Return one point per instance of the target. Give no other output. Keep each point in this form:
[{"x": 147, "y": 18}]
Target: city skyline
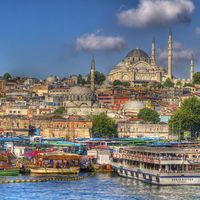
[{"x": 39, "y": 38}]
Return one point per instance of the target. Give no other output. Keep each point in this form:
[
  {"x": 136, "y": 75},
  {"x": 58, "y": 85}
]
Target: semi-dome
[
  {"x": 80, "y": 90},
  {"x": 138, "y": 55}
]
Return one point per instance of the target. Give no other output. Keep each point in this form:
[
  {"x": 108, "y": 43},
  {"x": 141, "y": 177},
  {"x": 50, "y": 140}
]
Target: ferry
[
  {"x": 56, "y": 163},
  {"x": 172, "y": 165}
]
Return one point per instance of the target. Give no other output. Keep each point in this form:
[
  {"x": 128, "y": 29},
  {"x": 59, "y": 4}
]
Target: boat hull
[
  {"x": 9, "y": 172},
  {"x": 171, "y": 179},
  {"x": 71, "y": 170}
]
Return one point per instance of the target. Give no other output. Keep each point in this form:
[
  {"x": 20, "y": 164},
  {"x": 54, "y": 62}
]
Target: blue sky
[{"x": 43, "y": 37}]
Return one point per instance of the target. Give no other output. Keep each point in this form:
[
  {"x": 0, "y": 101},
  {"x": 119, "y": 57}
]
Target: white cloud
[
  {"x": 180, "y": 53},
  {"x": 93, "y": 41},
  {"x": 157, "y": 12},
  {"x": 197, "y": 31}
]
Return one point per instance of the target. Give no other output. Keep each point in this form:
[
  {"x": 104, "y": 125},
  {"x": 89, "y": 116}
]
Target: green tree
[
  {"x": 6, "y": 76},
  {"x": 179, "y": 84},
  {"x": 117, "y": 82},
  {"x": 59, "y": 111},
  {"x": 149, "y": 115},
  {"x": 125, "y": 83},
  {"x": 187, "y": 117},
  {"x": 188, "y": 85},
  {"x": 99, "y": 78},
  {"x": 103, "y": 126},
  {"x": 157, "y": 85},
  {"x": 122, "y": 83},
  {"x": 81, "y": 80},
  {"x": 168, "y": 83},
  {"x": 196, "y": 78},
  {"x": 145, "y": 85}
]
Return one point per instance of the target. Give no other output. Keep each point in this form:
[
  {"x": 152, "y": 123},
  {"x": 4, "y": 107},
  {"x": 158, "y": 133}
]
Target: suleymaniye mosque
[{"x": 138, "y": 68}]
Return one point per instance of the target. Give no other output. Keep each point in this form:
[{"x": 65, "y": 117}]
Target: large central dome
[{"x": 138, "y": 55}]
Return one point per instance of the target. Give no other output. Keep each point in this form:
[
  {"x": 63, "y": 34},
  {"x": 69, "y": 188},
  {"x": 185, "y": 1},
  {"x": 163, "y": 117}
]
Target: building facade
[
  {"x": 50, "y": 127},
  {"x": 133, "y": 128}
]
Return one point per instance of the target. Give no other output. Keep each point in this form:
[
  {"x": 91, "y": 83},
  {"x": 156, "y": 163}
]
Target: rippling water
[{"x": 101, "y": 186}]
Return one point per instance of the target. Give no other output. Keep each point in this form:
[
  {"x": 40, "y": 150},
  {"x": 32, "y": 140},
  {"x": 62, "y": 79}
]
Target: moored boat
[
  {"x": 56, "y": 163},
  {"x": 71, "y": 170},
  {"x": 8, "y": 164},
  {"x": 9, "y": 172},
  {"x": 159, "y": 165}
]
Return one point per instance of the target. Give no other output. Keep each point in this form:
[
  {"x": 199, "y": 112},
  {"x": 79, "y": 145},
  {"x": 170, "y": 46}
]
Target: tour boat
[
  {"x": 159, "y": 165},
  {"x": 56, "y": 163},
  {"x": 8, "y": 164},
  {"x": 71, "y": 170}
]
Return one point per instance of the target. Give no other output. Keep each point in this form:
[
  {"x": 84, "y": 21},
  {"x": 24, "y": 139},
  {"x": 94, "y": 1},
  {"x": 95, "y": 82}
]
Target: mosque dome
[
  {"x": 80, "y": 90},
  {"x": 138, "y": 55},
  {"x": 51, "y": 79},
  {"x": 133, "y": 107}
]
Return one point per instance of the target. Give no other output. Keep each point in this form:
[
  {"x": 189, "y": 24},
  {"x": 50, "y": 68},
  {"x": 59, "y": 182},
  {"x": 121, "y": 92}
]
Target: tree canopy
[
  {"x": 6, "y": 76},
  {"x": 157, "y": 85},
  {"x": 123, "y": 83},
  {"x": 103, "y": 126},
  {"x": 149, "y": 115},
  {"x": 188, "y": 85},
  {"x": 196, "y": 78},
  {"x": 168, "y": 83},
  {"x": 99, "y": 78},
  {"x": 179, "y": 84},
  {"x": 187, "y": 117},
  {"x": 81, "y": 80},
  {"x": 59, "y": 111},
  {"x": 117, "y": 82}
]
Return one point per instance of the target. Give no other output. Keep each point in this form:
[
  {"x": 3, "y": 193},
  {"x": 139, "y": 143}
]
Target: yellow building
[{"x": 40, "y": 89}]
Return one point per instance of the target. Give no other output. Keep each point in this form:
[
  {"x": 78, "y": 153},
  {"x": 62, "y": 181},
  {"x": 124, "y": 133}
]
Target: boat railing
[
  {"x": 156, "y": 171},
  {"x": 146, "y": 158},
  {"x": 179, "y": 172}
]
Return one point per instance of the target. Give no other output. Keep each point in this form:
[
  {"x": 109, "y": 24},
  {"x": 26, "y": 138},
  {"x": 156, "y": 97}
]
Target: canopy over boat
[{"x": 58, "y": 156}]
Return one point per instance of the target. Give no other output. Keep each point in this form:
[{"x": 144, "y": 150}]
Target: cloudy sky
[{"x": 43, "y": 37}]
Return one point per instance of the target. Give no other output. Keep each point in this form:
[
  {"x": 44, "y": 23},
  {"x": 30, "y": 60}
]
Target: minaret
[
  {"x": 170, "y": 55},
  {"x": 153, "y": 52},
  {"x": 191, "y": 69},
  {"x": 92, "y": 74}
]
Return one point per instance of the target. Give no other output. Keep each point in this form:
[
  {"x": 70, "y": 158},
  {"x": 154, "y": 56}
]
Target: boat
[
  {"x": 159, "y": 165},
  {"x": 9, "y": 172},
  {"x": 56, "y": 163},
  {"x": 71, "y": 170},
  {"x": 8, "y": 164}
]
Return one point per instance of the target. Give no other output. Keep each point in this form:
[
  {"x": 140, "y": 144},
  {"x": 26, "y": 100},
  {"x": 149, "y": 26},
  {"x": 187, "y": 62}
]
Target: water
[{"x": 101, "y": 186}]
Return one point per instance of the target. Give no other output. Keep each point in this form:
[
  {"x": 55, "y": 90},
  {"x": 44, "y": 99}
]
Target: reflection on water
[{"x": 101, "y": 186}]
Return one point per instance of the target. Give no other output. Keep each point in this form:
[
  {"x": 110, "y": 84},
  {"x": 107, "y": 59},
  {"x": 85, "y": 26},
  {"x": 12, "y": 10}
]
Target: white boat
[{"x": 159, "y": 165}]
